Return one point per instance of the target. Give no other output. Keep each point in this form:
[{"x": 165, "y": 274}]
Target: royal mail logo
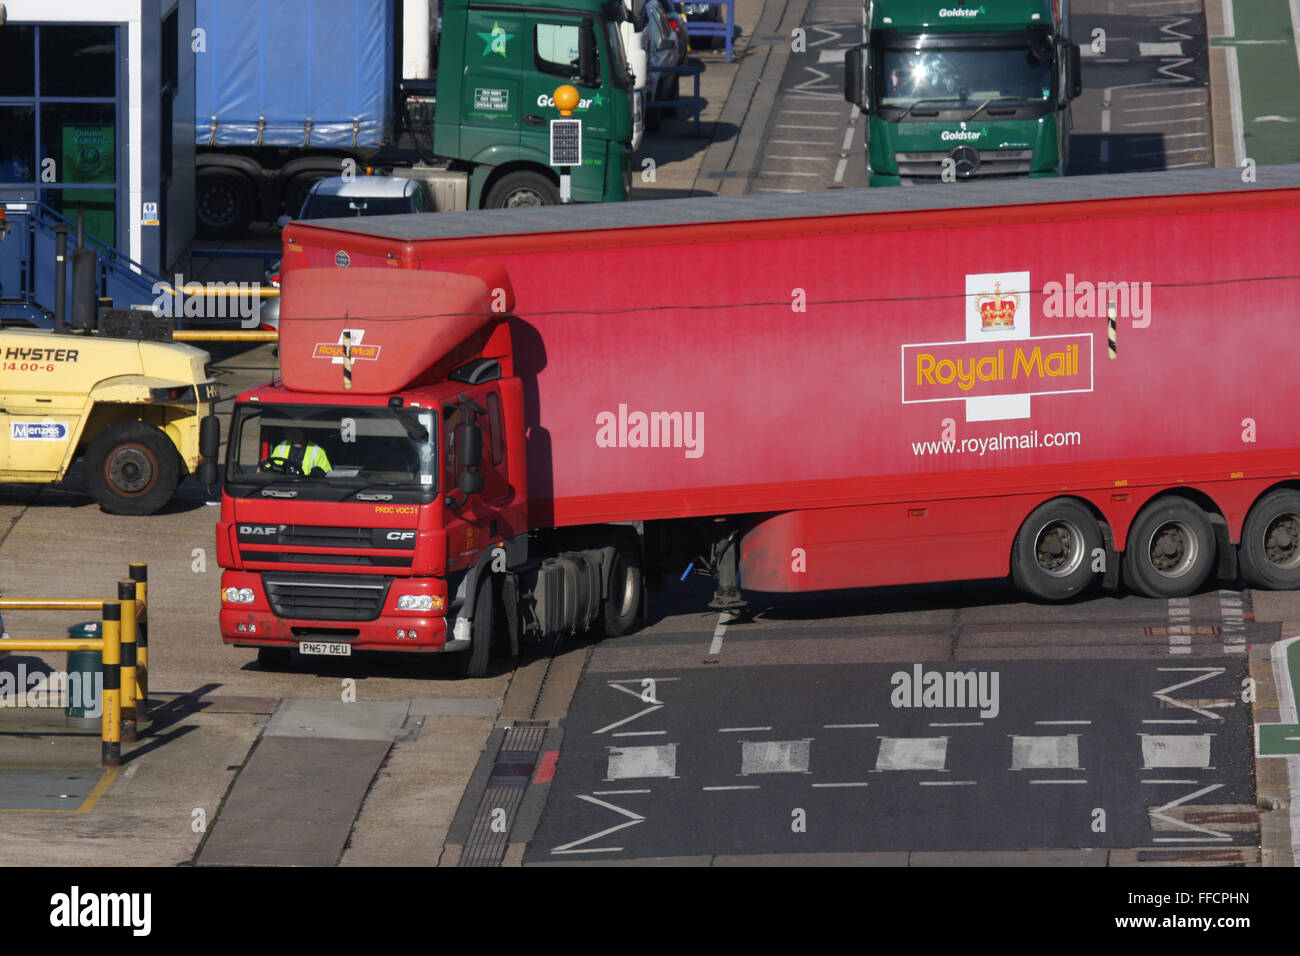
[
  {"x": 999, "y": 366},
  {"x": 997, "y": 309},
  {"x": 348, "y": 346}
]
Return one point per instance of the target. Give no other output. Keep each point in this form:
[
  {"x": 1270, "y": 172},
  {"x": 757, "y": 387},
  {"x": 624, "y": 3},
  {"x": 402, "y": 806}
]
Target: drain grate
[{"x": 511, "y": 771}]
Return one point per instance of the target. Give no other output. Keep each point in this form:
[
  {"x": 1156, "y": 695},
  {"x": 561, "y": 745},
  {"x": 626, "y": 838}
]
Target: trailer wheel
[
  {"x": 1269, "y": 553},
  {"x": 132, "y": 469},
  {"x": 1170, "y": 549},
  {"x": 473, "y": 662},
  {"x": 223, "y": 203},
  {"x": 1052, "y": 554},
  {"x": 623, "y": 607},
  {"x": 523, "y": 188}
]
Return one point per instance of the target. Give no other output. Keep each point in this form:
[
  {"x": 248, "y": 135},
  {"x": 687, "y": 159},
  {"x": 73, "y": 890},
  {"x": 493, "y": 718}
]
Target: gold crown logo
[{"x": 997, "y": 309}]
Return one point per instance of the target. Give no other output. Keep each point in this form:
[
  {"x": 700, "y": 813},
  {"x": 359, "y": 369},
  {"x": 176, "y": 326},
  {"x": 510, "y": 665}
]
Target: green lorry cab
[{"x": 955, "y": 92}]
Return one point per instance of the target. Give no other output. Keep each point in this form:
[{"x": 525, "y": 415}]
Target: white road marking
[
  {"x": 740, "y": 730},
  {"x": 1234, "y": 101},
  {"x": 1105, "y": 121},
  {"x": 912, "y": 753},
  {"x": 753, "y": 786},
  {"x": 1205, "y": 672},
  {"x": 775, "y": 756},
  {"x": 970, "y": 723},
  {"x": 1103, "y": 152},
  {"x": 1045, "y": 753},
  {"x": 1160, "y": 49},
  {"x": 639, "y": 733},
  {"x": 626, "y": 763},
  {"x": 1175, "y": 750},
  {"x": 633, "y": 820},
  {"x": 947, "y": 783},
  {"x": 847, "y": 726},
  {"x": 1058, "y": 781},
  {"x": 1171, "y": 721},
  {"x": 799, "y": 126},
  {"x": 1063, "y": 723},
  {"x": 819, "y": 159},
  {"x": 855, "y": 784},
  {"x": 761, "y": 189},
  {"x": 1183, "y": 782},
  {"x": 779, "y": 172},
  {"x": 1133, "y": 96},
  {"x": 626, "y": 720},
  {"x": 848, "y": 138},
  {"x": 840, "y": 169},
  {"x": 715, "y": 648},
  {"x": 1209, "y": 834},
  {"x": 798, "y": 142},
  {"x": 1166, "y": 122},
  {"x": 615, "y": 793},
  {"x": 803, "y": 112},
  {"x": 1161, "y": 109},
  {"x": 832, "y": 56}
]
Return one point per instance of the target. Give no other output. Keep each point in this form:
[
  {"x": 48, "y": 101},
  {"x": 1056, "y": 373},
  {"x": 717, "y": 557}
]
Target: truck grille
[
  {"x": 927, "y": 167},
  {"x": 326, "y": 597}
]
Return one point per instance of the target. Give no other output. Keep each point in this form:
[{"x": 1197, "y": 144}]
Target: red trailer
[{"x": 851, "y": 393}]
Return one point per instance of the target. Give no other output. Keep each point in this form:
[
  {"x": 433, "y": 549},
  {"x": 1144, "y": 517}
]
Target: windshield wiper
[
  {"x": 917, "y": 103},
  {"x": 995, "y": 99}
]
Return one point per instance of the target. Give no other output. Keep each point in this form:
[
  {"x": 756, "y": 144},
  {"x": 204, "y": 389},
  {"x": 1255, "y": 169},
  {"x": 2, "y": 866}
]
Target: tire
[
  {"x": 522, "y": 189},
  {"x": 623, "y": 607},
  {"x": 274, "y": 658},
  {"x": 473, "y": 662},
  {"x": 295, "y": 194},
  {"x": 1171, "y": 549},
  {"x": 1052, "y": 555},
  {"x": 132, "y": 469},
  {"x": 1269, "y": 553},
  {"x": 654, "y": 118},
  {"x": 224, "y": 201}
]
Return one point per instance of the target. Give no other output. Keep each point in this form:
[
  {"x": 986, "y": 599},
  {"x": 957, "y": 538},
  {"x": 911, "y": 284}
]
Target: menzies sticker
[{"x": 38, "y": 431}]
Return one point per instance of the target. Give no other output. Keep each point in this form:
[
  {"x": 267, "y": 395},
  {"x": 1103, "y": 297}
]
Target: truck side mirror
[
  {"x": 1074, "y": 69},
  {"x": 588, "y": 67},
  {"x": 469, "y": 445},
  {"x": 856, "y": 61},
  {"x": 210, "y": 437},
  {"x": 471, "y": 483}
]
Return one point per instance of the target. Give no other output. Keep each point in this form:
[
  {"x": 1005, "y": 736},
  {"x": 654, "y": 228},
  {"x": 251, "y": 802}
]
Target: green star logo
[
  {"x": 495, "y": 42},
  {"x": 598, "y": 99}
]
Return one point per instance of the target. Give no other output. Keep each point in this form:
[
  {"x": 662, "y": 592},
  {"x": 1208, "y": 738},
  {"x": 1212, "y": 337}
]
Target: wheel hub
[
  {"x": 1174, "y": 549},
  {"x": 130, "y": 470},
  {"x": 1280, "y": 540},
  {"x": 1059, "y": 548}
]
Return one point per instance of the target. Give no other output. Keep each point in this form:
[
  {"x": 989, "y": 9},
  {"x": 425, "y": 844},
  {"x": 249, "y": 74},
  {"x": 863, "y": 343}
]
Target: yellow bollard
[
  {"x": 140, "y": 575},
  {"x": 111, "y": 634},
  {"x": 126, "y": 597}
]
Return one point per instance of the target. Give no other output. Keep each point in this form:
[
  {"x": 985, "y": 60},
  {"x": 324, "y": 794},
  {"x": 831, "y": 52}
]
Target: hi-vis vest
[{"x": 313, "y": 456}]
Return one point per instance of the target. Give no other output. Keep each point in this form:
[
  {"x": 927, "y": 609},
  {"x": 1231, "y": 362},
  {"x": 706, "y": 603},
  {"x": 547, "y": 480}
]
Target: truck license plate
[{"x": 325, "y": 649}]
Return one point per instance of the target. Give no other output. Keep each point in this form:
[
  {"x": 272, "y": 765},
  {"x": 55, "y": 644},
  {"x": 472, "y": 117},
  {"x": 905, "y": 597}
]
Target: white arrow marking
[
  {"x": 627, "y": 720},
  {"x": 1205, "y": 672},
  {"x": 1160, "y": 814},
  {"x": 633, "y": 820}
]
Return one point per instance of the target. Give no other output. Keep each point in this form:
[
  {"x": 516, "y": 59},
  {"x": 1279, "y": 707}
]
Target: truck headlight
[
  {"x": 237, "y": 595},
  {"x": 418, "y": 602}
]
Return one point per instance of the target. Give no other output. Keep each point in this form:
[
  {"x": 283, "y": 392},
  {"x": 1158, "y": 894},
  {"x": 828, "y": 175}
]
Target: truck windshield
[
  {"x": 333, "y": 446},
  {"x": 955, "y": 77}
]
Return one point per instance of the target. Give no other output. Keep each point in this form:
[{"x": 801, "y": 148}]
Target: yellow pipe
[{"x": 242, "y": 335}]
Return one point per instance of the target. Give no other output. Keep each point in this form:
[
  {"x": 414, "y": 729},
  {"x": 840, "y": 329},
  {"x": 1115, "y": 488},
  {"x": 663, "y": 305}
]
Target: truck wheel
[
  {"x": 1170, "y": 549},
  {"x": 223, "y": 203},
  {"x": 1269, "y": 553},
  {"x": 522, "y": 189},
  {"x": 1052, "y": 554},
  {"x": 623, "y": 606},
  {"x": 132, "y": 469},
  {"x": 473, "y": 662}
]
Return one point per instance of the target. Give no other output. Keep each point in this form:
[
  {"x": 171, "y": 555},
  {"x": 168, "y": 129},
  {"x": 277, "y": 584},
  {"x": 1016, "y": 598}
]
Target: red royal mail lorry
[{"x": 494, "y": 423}]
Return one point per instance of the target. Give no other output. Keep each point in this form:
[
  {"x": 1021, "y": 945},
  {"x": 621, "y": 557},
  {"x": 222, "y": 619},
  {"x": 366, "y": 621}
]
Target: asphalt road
[{"x": 803, "y": 735}]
